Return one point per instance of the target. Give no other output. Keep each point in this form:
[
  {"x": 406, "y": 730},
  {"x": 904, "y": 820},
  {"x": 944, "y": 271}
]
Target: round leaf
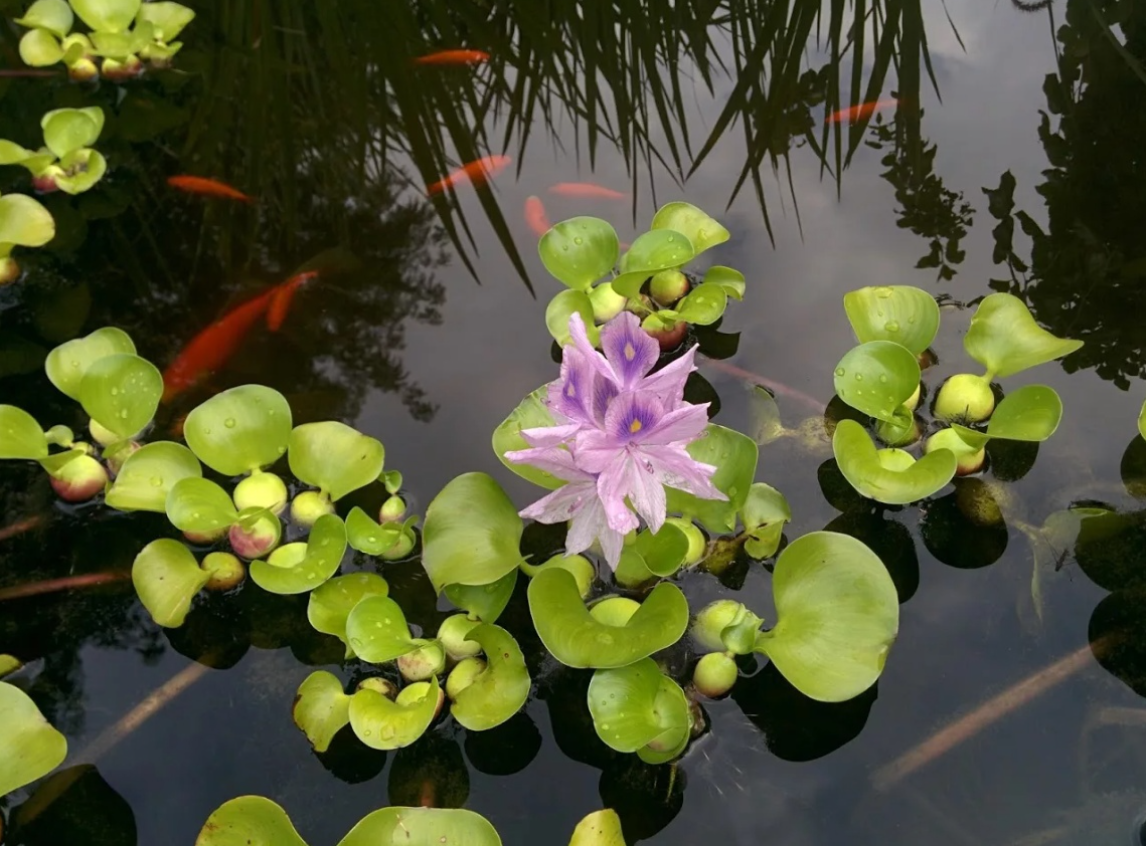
[
  {"x": 149, "y": 474},
  {"x": 734, "y": 455},
  {"x": 249, "y": 821},
  {"x": 561, "y": 308},
  {"x": 200, "y": 506},
  {"x": 23, "y": 221},
  {"x": 1031, "y": 413},
  {"x": 764, "y": 514},
  {"x": 40, "y": 49},
  {"x": 239, "y": 430},
  {"x": 365, "y": 535},
  {"x": 701, "y": 230},
  {"x": 377, "y": 630},
  {"x": 600, "y": 828},
  {"x": 531, "y": 413},
  {"x": 106, "y": 15},
  {"x": 500, "y": 690},
  {"x": 166, "y": 17},
  {"x": 53, "y": 15},
  {"x": 837, "y": 616},
  {"x": 659, "y": 249},
  {"x": 334, "y": 458},
  {"x": 729, "y": 279},
  {"x": 331, "y": 603},
  {"x": 1005, "y": 339},
  {"x": 486, "y": 602},
  {"x": 422, "y": 827},
  {"x": 324, "y": 550},
  {"x": 20, "y": 435},
  {"x": 381, "y": 723},
  {"x": 88, "y": 167},
  {"x": 67, "y": 130},
  {"x": 576, "y": 639},
  {"x": 29, "y": 747},
  {"x": 877, "y": 378},
  {"x": 122, "y": 392},
  {"x": 579, "y": 251},
  {"x": 901, "y": 313},
  {"x": 861, "y": 465},
  {"x": 167, "y": 577},
  {"x": 67, "y": 363},
  {"x": 321, "y": 708},
  {"x": 637, "y": 705},
  {"x": 704, "y": 305},
  {"x": 663, "y": 552},
  {"x": 11, "y": 153},
  {"x": 472, "y": 533}
]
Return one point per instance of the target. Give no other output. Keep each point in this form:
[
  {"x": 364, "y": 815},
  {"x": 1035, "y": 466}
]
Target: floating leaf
[
  {"x": 106, "y": 15},
  {"x": 377, "y": 630},
  {"x": 167, "y": 577},
  {"x": 9, "y": 664},
  {"x": 704, "y": 305},
  {"x": 877, "y": 378},
  {"x": 249, "y": 821},
  {"x": 29, "y": 747},
  {"x": 472, "y": 533},
  {"x": 731, "y": 280},
  {"x": 67, "y": 363},
  {"x": 764, "y": 514},
  {"x": 837, "y": 616},
  {"x": 734, "y": 456},
  {"x": 501, "y": 689},
  {"x": 384, "y": 724},
  {"x": 576, "y": 639},
  {"x": 67, "y": 130},
  {"x": 121, "y": 392},
  {"x": 366, "y": 535},
  {"x": 240, "y": 430},
  {"x": 531, "y": 413},
  {"x": 422, "y": 827},
  {"x": 600, "y": 828},
  {"x": 702, "y": 230},
  {"x": 334, "y": 458},
  {"x": 20, "y": 435},
  {"x": 321, "y": 708},
  {"x": 904, "y": 314},
  {"x": 1005, "y": 339},
  {"x": 1031, "y": 413},
  {"x": 486, "y": 602},
  {"x": 200, "y": 506},
  {"x": 24, "y": 222},
  {"x": 87, "y": 168},
  {"x": 659, "y": 249},
  {"x": 579, "y": 251},
  {"x": 53, "y": 15},
  {"x": 561, "y": 308},
  {"x": 636, "y": 706},
  {"x": 868, "y": 470},
  {"x": 330, "y": 603},
  {"x": 167, "y": 18},
  {"x": 325, "y": 547},
  {"x": 40, "y": 49},
  {"x": 149, "y": 474},
  {"x": 664, "y": 552}
]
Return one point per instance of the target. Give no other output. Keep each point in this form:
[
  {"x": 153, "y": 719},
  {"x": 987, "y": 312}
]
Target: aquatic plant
[
  {"x": 67, "y": 161},
  {"x": 30, "y": 748},
  {"x": 24, "y": 222}
]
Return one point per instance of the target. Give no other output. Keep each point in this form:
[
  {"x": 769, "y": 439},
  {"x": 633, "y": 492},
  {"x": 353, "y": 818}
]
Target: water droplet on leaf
[
  {"x": 883, "y": 292},
  {"x": 840, "y": 371},
  {"x": 229, "y": 422},
  {"x": 891, "y": 326}
]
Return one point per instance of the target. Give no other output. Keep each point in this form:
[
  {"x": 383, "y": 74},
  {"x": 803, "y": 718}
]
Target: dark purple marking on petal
[
  {"x": 629, "y": 348},
  {"x": 630, "y": 414}
]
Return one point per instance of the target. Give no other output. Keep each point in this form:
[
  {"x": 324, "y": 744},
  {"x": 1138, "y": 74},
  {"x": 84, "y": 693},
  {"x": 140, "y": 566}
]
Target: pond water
[{"x": 426, "y": 334}]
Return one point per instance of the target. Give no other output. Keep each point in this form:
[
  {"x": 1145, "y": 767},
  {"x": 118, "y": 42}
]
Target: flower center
[
  {"x": 635, "y": 426},
  {"x": 630, "y": 354}
]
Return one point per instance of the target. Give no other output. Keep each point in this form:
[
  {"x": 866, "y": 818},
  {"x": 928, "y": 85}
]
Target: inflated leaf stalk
[
  {"x": 500, "y": 690},
  {"x": 890, "y": 476}
]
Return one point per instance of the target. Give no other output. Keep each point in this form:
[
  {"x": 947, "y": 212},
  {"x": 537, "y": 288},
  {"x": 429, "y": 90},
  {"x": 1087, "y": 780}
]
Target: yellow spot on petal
[
  {"x": 630, "y": 354},
  {"x": 635, "y": 426},
  {"x": 571, "y": 391}
]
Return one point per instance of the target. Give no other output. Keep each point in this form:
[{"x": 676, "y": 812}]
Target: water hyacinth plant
[
  {"x": 67, "y": 161},
  {"x": 24, "y": 222}
]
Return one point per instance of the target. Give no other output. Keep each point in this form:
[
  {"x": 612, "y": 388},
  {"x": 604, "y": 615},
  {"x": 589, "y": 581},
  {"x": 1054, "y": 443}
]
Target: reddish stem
[
  {"x": 771, "y": 384},
  {"x": 19, "y": 527},
  {"x": 64, "y": 583}
]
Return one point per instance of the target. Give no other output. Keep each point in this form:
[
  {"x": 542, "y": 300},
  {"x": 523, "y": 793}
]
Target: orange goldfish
[
  {"x": 284, "y": 295},
  {"x": 453, "y": 57},
  {"x": 860, "y": 112},
  {"x": 585, "y": 189},
  {"x": 206, "y": 187},
  {"x": 477, "y": 172},
  {"x": 535, "y": 216}
]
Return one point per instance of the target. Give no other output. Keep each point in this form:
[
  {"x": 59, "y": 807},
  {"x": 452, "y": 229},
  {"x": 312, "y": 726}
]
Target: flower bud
[
  {"x": 452, "y": 634},
  {"x": 606, "y": 302},
  {"x": 712, "y": 620},
  {"x": 463, "y": 675},
  {"x": 413, "y": 692},
  {"x": 308, "y": 506},
  {"x": 668, "y": 286},
  {"x": 423, "y": 663},
  {"x": 965, "y": 397},
  {"x": 261, "y": 490},
  {"x": 401, "y": 548},
  {"x": 393, "y": 510},
  {"x": 226, "y": 571},
  {"x": 9, "y": 271},
  {"x": 258, "y": 540},
  {"x": 380, "y": 685},
  {"x": 696, "y": 540},
  {"x": 614, "y": 610},
  {"x": 965, "y": 463},
  {"x": 715, "y": 674},
  {"x": 79, "y": 480}
]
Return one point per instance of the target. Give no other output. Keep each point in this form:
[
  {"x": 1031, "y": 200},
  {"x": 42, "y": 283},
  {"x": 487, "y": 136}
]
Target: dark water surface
[{"x": 315, "y": 110}]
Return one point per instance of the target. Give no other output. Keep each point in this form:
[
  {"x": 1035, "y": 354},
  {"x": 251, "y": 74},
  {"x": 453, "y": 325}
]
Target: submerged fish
[
  {"x": 453, "y": 57},
  {"x": 1116, "y": 819},
  {"x": 284, "y": 296},
  {"x": 586, "y": 189},
  {"x": 207, "y": 187},
  {"x": 535, "y": 216},
  {"x": 863, "y": 110},
  {"x": 476, "y": 172}
]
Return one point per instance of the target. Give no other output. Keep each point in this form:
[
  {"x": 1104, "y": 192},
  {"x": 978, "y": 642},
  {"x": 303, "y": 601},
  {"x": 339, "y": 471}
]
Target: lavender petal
[{"x": 629, "y": 349}]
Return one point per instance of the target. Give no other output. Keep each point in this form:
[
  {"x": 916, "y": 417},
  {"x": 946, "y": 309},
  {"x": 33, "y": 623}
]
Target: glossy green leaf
[
  {"x": 702, "y": 230},
  {"x": 663, "y": 553},
  {"x": 659, "y": 249},
  {"x": 704, "y": 305},
  {"x": 166, "y": 17},
  {"x": 391, "y": 480},
  {"x": 500, "y": 690},
  {"x": 366, "y": 535},
  {"x": 249, "y": 821},
  {"x": 87, "y": 166},
  {"x": 122, "y": 392},
  {"x": 1030, "y": 413},
  {"x": 861, "y": 465},
  {"x": 561, "y": 308},
  {"x": 53, "y": 15},
  {"x": 240, "y": 430},
  {"x": 29, "y": 747},
  {"x": 1005, "y": 338},
  {"x": 734, "y": 456},
  {"x": 334, "y": 458},
  {"x": 167, "y": 577},
  {"x": 54, "y": 464},
  {"x": 325, "y": 547},
  {"x": 120, "y": 45},
  {"x": 9, "y": 664},
  {"x": 730, "y": 279},
  {"x": 472, "y": 533},
  {"x": 764, "y": 514},
  {"x": 23, "y": 221},
  {"x": 200, "y": 506},
  {"x": 877, "y": 378},
  {"x": 531, "y": 413},
  {"x": 579, "y": 251},
  {"x": 67, "y": 363},
  {"x": 106, "y": 15},
  {"x": 384, "y": 724},
  {"x": 904, "y": 314},
  {"x": 12, "y": 153},
  {"x": 20, "y": 435},
  {"x": 632, "y": 572},
  {"x": 40, "y": 49},
  {"x": 330, "y": 603},
  {"x": 837, "y": 616},
  {"x": 149, "y": 474},
  {"x": 638, "y": 705},
  {"x": 321, "y": 708},
  {"x": 67, "y": 130},
  {"x": 422, "y": 827},
  {"x": 600, "y": 828},
  {"x": 576, "y": 639},
  {"x": 486, "y": 602},
  {"x": 377, "y": 630}
]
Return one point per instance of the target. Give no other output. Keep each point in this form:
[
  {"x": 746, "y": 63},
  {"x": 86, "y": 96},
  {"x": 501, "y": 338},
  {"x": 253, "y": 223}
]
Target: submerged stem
[{"x": 63, "y": 583}]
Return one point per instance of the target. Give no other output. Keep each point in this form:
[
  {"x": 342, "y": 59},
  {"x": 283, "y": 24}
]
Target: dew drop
[
  {"x": 310, "y": 577},
  {"x": 123, "y": 414},
  {"x": 840, "y": 371},
  {"x": 366, "y": 732},
  {"x": 883, "y": 378},
  {"x": 75, "y": 364},
  {"x": 115, "y": 392},
  {"x": 891, "y": 326},
  {"x": 206, "y": 431},
  {"x": 229, "y": 422},
  {"x": 372, "y": 539},
  {"x": 883, "y": 292},
  {"x": 578, "y": 241},
  {"x": 911, "y": 320},
  {"x": 564, "y": 248},
  {"x": 356, "y": 642},
  {"x": 156, "y": 481},
  {"x": 859, "y": 377},
  {"x": 195, "y": 515}
]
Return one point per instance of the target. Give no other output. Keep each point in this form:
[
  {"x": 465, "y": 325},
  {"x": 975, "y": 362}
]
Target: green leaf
[
  {"x": 472, "y": 533},
  {"x": 663, "y": 552},
  {"x": 334, "y": 458},
  {"x": 868, "y": 470},
  {"x": 659, "y": 249},
  {"x": 377, "y": 630},
  {"x": 704, "y": 305},
  {"x": 486, "y": 602},
  {"x": 12, "y": 153},
  {"x": 167, "y": 577},
  {"x": 877, "y": 378},
  {"x": 734, "y": 456},
  {"x": 53, "y": 15},
  {"x": 391, "y": 480},
  {"x": 67, "y": 130},
  {"x": 330, "y": 603},
  {"x": 54, "y": 464},
  {"x": 9, "y": 664},
  {"x": 240, "y": 430},
  {"x": 40, "y": 49},
  {"x": 24, "y": 222},
  {"x": 561, "y": 308},
  {"x": 119, "y": 45},
  {"x": 20, "y": 435},
  {"x": 200, "y": 506},
  {"x": 730, "y": 279},
  {"x": 904, "y": 314},
  {"x": 383, "y": 724},
  {"x": 167, "y": 18},
  {"x": 249, "y": 821},
  {"x": 321, "y": 708},
  {"x": 149, "y": 474},
  {"x": 325, "y": 547},
  {"x": 106, "y": 15},
  {"x": 29, "y": 747},
  {"x": 1031, "y": 413},
  {"x": 421, "y": 827},
  {"x": 531, "y": 413},
  {"x": 764, "y": 514},
  {"x": 1005, "y": 339},
  {"x": 837, "y": 616},
  {"x": 576, "y": 639},
  {"x": 600, "y": 828},
  {"x": 67, "y": 364},
  {"x": 366, "y": 535},
  {"x": 638, "y": 705},
  {"x": 87, "y": 166},
  {"x": 579, "y": 251},
  {"x": 500, "y": 690},
  {"x": 701, "y": 230},
  {"x": 122, "y": 392}
]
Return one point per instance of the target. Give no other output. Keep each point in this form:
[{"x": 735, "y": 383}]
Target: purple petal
[
  {"x": 559, "y": 462},
  {"x": 597, "y": 451},
  {"x": 590, "y": 525},
  {"x": 562, "y": 504},
  {"x": 581, "y": 343},
  {"x": 612, "y": 488},
  {"x": 675, "y": 468},
  {"x": 572, "y": 394},
  {"x": 682, "y": 426},
  {"x": 612, "y": 543},
  {"x": 668, "y": 382},
  {"x": 604, "y": 392},
  {"x": 646, "y": 492},
  {"x": 550, "y": 436},
  {"x": 628, "y": 348},
  {"x": 631, "y": 415}
]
